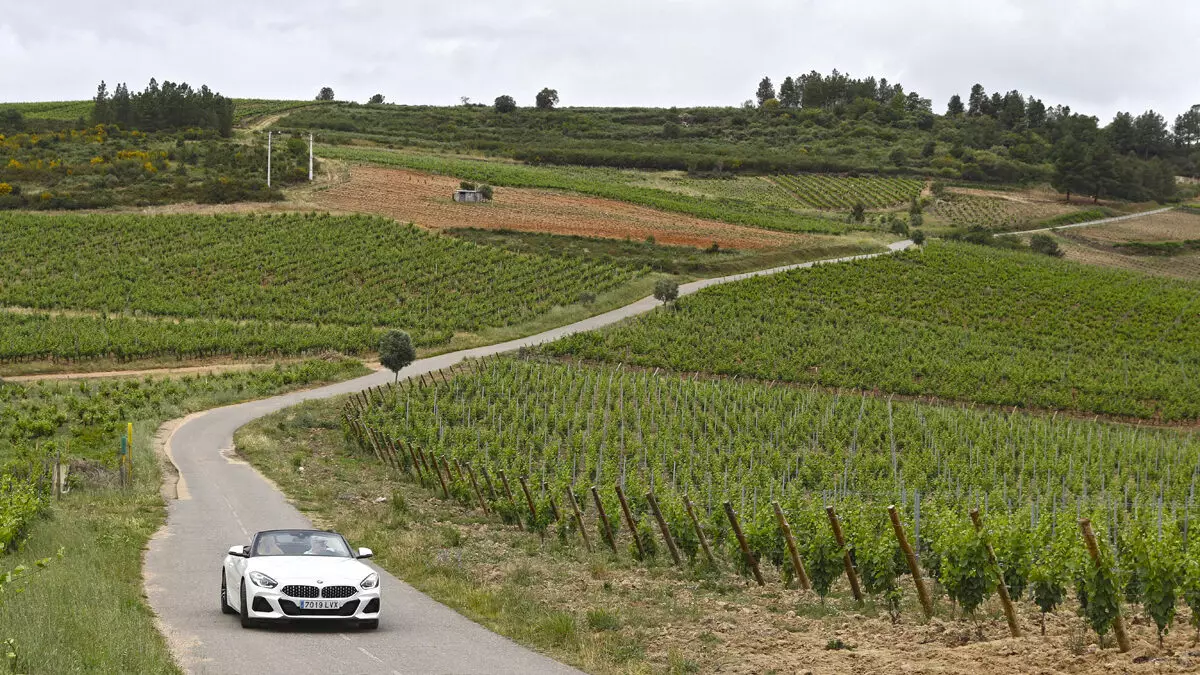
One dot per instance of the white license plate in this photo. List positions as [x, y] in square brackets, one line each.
[320, 604]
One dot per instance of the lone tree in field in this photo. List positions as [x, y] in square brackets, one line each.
[1045, 244]
[666, 291]
[547, 98]
[396, 351]
[505, 104]
[326, 94]
[377, 99]
[766, 91]
[857, 212]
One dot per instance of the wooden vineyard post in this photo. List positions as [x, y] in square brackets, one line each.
[528, 500]
[793, 552]
[475, 486]
[1001, 587]
[1094, 551]
[487, 478]
[446, 466]
[459, 470]
[737, 532]
[579, 519]
[632, 525]
[612, 542]
[438, 471]
[513, 502]
[913, 567]
[851, 575]
[416, 463]
[550, 498]
[662, 525]
[687, 504]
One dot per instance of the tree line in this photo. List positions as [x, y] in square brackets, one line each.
[163, 107]
[1132, 157]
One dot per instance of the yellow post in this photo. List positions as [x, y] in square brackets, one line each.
[129, 455]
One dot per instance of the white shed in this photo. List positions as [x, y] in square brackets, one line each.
[468, 196]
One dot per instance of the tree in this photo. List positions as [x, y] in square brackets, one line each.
[326, 94]
[505, 104]
[1035, 114]
[955, 107]
[976, 101]
[766, 91]
[918, 237]
[856, 212]
[1187, 128]
[486, 191]
[666, 290]
[1070, 166]
[396, 351]
[1120, 131]
[547, 98]
[101, 110]
[1150, 134]
[377, 99]
[789, 95]
[898, 156]
[1101, 169]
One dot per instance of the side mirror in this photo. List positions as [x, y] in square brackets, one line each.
[240, 551]
[364, 553]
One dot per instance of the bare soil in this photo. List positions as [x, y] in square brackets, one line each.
[426, 200]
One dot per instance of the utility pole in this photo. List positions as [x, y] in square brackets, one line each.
[310, 157]
[268, 159]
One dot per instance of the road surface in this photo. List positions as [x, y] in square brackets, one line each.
[1090, 223]
[222, 501]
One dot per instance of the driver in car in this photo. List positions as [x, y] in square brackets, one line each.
[318, 546]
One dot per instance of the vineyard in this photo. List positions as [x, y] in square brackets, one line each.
[623, 185]
[1001, 214]
[779, 482]
[841, 193]
[83, 420]
[952, 320]
[47, 337]
[316, 270]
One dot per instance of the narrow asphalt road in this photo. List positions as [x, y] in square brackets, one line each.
[223, 501]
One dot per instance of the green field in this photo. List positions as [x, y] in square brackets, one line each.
[70, 111]
[623, 185]
[952, 321]
[328, 273]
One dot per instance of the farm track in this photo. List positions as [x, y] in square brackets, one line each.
[1090, 223]
[222, 500]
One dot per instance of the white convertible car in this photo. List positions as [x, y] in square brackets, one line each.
[286, 575]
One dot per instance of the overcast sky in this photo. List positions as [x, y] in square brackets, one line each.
[1097, 56]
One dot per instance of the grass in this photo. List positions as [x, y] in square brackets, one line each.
[86, 613]
[678, 260]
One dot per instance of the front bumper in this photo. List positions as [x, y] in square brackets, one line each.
[271, 604]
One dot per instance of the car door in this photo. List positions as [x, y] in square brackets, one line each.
[235, 570]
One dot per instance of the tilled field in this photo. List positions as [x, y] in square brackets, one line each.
[426, 200]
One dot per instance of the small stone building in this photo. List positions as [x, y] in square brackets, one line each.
[468, 196]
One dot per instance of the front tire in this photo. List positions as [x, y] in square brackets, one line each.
[225, 608]
[247, 622]
[369, 625]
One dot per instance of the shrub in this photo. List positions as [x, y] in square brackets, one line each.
[918, 237]
[1045, 244]
[666, 290]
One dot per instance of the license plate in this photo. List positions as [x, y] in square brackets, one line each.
[320, 604]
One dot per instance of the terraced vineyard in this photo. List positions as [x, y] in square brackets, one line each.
[562, 428]
[328, 273]
[953, 321]
[995, 213]
[841, 193]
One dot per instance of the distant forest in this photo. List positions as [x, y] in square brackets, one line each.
[161, 108]
[1131, 158]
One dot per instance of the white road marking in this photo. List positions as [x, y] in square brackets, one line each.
[245, 532]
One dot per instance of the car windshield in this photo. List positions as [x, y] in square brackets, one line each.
[301, 542]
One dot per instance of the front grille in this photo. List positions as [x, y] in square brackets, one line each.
[260, 604]
[288, 607]
[372, 606]
[302, 591]
[338, 591]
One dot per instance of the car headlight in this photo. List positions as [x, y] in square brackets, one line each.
[263, 580]
[370, 582]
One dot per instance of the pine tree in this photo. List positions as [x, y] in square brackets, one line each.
[766, 91]
[789, 94]
[955, 107]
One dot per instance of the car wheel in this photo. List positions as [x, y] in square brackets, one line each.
[247, 622]
[225, 608]
[369, 625]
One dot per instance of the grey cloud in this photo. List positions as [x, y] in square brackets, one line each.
[1098, 56]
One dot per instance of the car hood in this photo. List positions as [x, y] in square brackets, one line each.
[304, 568]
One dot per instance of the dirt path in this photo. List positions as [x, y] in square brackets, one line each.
[1090, 223]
